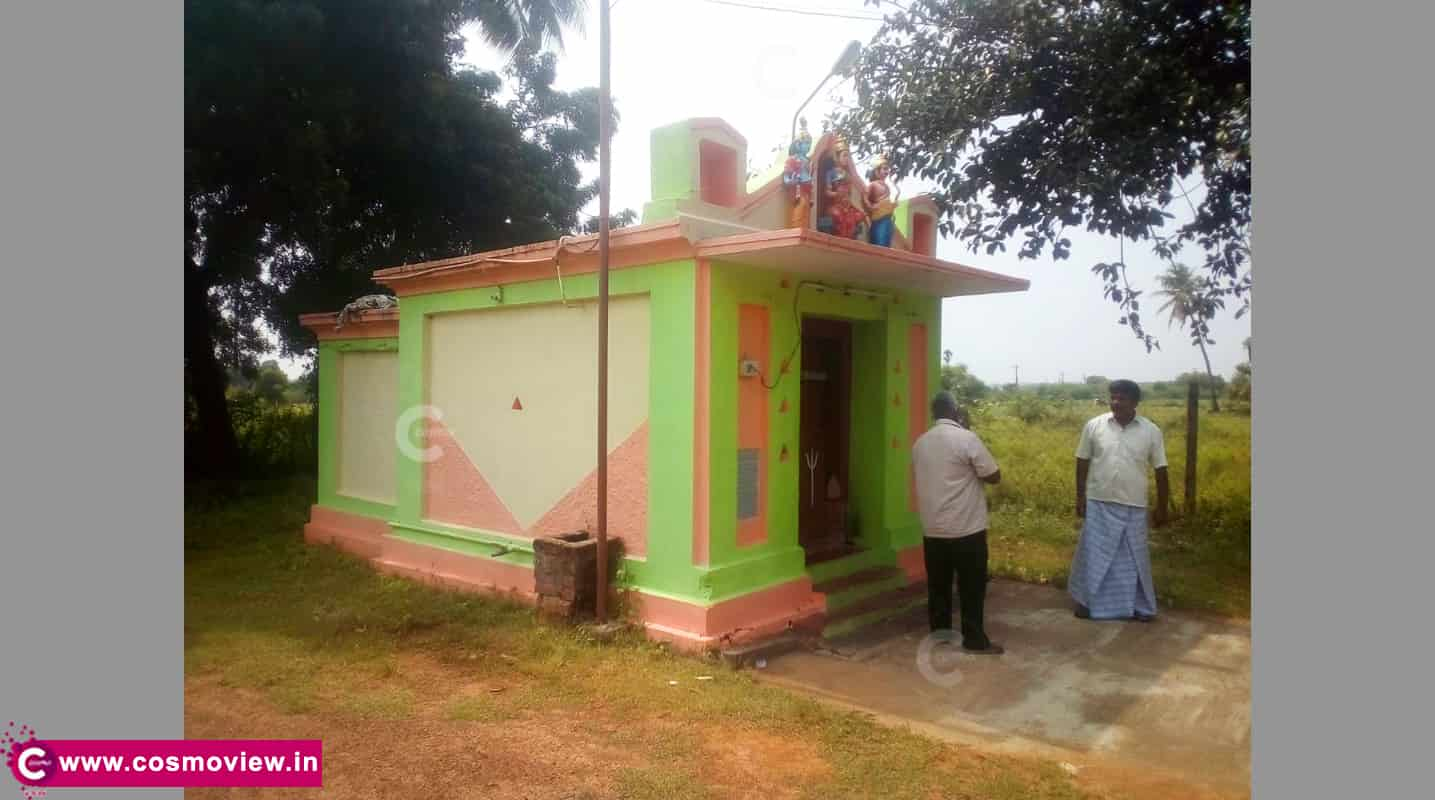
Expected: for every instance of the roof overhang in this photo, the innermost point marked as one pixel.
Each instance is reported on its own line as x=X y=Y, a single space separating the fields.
x=720 y=241
x=379 y=323
x=821 y=255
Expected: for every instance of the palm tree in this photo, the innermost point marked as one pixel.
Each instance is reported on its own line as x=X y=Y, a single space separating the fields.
x=1184 y=305
x=505 y=24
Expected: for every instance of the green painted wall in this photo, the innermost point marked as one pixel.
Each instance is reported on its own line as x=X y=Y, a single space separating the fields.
x=869 y=454
x=902 y=219
x=902 y=524
x=667 y=565
x=328 y=496
x=878 y=472
x=674 y=171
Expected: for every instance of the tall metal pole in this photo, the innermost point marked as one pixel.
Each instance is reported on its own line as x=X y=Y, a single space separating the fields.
x=604 y=181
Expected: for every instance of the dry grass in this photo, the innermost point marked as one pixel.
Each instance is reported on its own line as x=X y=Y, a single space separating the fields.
x=419 y=692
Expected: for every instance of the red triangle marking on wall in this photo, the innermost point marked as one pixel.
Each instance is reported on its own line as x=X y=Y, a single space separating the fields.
x=517 y=406
x=783 y=409
x=894 y=443
x=899 y=366
x=783 y=455
x=896 y=399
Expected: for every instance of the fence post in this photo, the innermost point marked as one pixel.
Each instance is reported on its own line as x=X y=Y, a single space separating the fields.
x=1193 y=406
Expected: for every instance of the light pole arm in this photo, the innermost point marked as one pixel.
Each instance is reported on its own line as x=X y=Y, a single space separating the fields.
x=793 y=135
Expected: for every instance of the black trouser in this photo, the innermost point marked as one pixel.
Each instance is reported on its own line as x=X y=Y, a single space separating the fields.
x=966 y=556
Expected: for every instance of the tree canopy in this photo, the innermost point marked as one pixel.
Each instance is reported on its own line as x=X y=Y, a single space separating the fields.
x=1032 y=117
x=324 y=138
x=1186 y=306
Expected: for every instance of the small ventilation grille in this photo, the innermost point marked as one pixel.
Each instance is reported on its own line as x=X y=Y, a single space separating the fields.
x=748 y=462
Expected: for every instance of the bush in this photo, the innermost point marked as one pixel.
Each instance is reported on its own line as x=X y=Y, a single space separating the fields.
x=1030 y=409
x=275 y=439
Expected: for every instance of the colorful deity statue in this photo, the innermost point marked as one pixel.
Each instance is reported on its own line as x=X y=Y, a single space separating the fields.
x=842 y=219
x=797 y=177
x=880 y=203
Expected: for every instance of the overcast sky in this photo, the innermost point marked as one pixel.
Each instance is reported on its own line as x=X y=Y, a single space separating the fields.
x=675 y=59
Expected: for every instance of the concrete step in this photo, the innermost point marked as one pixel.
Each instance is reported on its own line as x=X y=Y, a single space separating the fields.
x=851 y=589
x=832 y=569
x=748 y=655
x=874 y=609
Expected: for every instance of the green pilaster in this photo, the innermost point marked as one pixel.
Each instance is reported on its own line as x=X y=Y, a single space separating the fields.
x=735 y=570
x=666 y=567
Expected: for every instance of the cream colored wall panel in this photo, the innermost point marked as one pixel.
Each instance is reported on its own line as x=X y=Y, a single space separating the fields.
x=545 y=358
x=368 y=410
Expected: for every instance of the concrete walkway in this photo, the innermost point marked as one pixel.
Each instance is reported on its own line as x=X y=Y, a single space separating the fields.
x=1171 y=696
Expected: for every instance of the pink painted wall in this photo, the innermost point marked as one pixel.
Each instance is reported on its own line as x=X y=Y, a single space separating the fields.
x=456 y=493
x=754 y=343
x=702 y=433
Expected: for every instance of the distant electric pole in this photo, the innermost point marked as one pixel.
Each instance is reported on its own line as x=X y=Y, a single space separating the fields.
x=1016 y=376
x=1063 y=378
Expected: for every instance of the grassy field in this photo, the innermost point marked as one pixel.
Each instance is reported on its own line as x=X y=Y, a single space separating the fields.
x=1200 y=563
x=284 y=640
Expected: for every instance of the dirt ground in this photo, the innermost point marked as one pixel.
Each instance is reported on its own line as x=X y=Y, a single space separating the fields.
x=569 y=753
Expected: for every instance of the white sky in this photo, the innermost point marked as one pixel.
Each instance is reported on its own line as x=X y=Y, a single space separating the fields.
x=675 y=59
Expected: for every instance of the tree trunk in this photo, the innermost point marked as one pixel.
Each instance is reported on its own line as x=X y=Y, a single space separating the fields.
x=1215 y=402
x=214 y=452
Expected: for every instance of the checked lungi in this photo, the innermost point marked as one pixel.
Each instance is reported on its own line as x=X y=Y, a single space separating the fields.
x=1111 y=573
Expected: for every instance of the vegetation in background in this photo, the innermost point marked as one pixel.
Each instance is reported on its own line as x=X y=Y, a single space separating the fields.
x=324 y=138
x=1202 y=562
x=1032 y=117
x=1187 y=305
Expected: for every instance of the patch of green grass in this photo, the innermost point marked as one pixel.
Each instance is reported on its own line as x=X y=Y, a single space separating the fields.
x=1199 y=562
x=298 y=697
x=390 y=702
x=659 y=782
x=478 y=708
x=316 y=630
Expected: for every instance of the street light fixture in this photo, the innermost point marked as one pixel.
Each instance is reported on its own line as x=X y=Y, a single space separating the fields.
x=844 y=65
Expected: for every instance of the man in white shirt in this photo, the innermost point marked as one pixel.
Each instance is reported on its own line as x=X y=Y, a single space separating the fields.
x=950 y=465
x=1111 y=571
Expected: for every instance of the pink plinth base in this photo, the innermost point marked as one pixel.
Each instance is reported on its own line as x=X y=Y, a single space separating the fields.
x=362 y=536
x=913 y=563
x=687 y=626
x=772 y=611
x=369 y=539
